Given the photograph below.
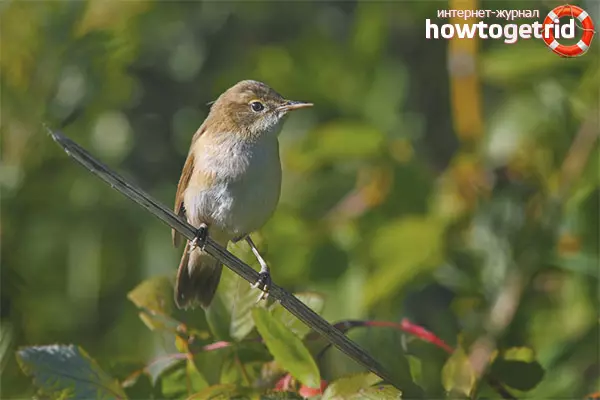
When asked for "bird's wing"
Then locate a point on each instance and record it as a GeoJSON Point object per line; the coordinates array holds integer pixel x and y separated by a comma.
{"type": "Point", "coordinates": [184, 180]}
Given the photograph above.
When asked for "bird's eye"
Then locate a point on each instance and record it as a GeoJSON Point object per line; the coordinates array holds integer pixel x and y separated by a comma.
{"type": "Point", "coordinates": [257, 106]}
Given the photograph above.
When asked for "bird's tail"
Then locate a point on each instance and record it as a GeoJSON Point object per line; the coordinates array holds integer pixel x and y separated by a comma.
{"type": "Point", "coordinates": [197, 279]}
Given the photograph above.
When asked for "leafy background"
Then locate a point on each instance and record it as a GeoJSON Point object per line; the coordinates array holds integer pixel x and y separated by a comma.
{"type": "Point", "coordinates": [448, 184]}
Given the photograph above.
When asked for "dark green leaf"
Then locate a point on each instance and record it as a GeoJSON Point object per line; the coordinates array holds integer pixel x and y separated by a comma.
{"type": "Point", "coordinates": [287, 349]}
{"type": "Point", "coordinates": [173, 381]}
{"type": "Point", "coordinates": [134, 379]}
{"type": "Point", "coordinates": [385, 345]}
{"type": "Point", "coordinates": [139, 387]}
{"type": "Point", "coordinates": [62, 371]}
{"type": "Point", "coordinates": [518, 369]}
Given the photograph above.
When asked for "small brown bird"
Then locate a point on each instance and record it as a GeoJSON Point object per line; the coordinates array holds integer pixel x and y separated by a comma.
{"type": "Point", "coordinates": [230, 183]}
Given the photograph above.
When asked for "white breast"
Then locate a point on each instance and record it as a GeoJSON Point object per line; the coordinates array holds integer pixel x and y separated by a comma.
{"type": "Point", "coordinates": [246, 188]}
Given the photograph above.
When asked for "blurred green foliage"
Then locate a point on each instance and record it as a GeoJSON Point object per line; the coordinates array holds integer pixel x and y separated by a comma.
{"type": "Point", "coordinates": [386, 211]}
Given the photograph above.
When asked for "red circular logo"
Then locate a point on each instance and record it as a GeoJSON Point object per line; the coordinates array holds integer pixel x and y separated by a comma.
{"type": "Point", "coordinates": [587, 26]}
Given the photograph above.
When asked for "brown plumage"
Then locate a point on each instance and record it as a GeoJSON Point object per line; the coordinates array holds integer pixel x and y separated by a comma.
{"type": "Point", "coordinates": [230, 180]}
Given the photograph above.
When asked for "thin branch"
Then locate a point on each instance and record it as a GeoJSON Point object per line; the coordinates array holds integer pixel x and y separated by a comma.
{"type": "Point", "coordinates": [287, 300]}
{"type": "Point", "coordinates": [419, 332]}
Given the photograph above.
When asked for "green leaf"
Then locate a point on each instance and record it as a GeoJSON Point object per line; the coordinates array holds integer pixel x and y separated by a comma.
{"type": "Point", "coordinates": [281, 396]}
{"type": "Point", "coordinates": [520, 375]}
{"type": "Point", "coordinates": [210, 364]}
{"type": "Point", "coordinates": [218, 317]}
{"type": "Point", "coordinates": [230, 372]}
{"type": "Point", "coordinates": [518, 368]}
{"type": "Point", "coordinates": [402, 248]}
{"type": "Point", "coordinates": [519, 354]}
{"type": "Point", "coordinates": [314, 301]}
{"type": "Point", "coordinates": [173, 381]}
{"type": "Point", "coordinates": [140, 387]}
{"type": "Point", "coordinates": [155, 297]}
{"type": "Point", "coordinates": [154, 294]}
{"type": "Point", "coordinates": [196, 379]}
{"type": "Point", "coordinates": [386, 346]}
{"type": "Point", "coordinates": [229, 314]}
{"type": "Point", "coordinates": [136, 382]}
{"type": "Point", "coordinates": [67, 371]}
{"type": "Point", "coordinates": [458, 375]}
{"type": "Point", "coordinates": [380, 392]}
{"type": "Point", "coordinates": [287, 349]}
{"type": "Point", "coordinates": [350, 387]}
{"type": "Point", "coordinates": [181, 378]}
{"type": "Point", "coordinates": [223, 391]}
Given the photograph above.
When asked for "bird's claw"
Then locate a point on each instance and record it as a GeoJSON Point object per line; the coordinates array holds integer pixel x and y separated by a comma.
{"type": "Point", "coordinates": [200, 239]}
{"type": "Point", "coordinates": [264, 284]}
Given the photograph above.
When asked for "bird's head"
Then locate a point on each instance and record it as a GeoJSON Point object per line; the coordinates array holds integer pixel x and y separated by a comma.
{"type": "Point", "coordinates": [252, 109]}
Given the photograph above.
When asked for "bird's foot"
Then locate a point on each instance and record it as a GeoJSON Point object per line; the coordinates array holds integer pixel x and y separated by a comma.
{"type": "Point", "coordinates": [264, 284]}
{"type": "Point", "coordinates": [200, 239]}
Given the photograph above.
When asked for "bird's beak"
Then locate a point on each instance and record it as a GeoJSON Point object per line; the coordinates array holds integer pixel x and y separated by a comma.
{"type": "Point", "coordinates": [290, 105]}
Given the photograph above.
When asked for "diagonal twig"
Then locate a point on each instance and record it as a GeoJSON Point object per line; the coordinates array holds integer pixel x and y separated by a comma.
{"type": "Point", "coordinates": [287, 300]}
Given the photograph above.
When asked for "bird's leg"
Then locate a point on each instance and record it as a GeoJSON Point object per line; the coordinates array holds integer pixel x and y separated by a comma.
{"type": "Point", "coordinates": [264, 276]}
{"type": "Point", "coordinates": [200, 239]}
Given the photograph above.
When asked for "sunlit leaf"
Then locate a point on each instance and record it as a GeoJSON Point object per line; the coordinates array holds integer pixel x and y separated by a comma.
{"type": "Point", "coordinates": [314, 301]}
{"type": "Point", "coordinates": [525, 354]}
{"type": "Point", "coordinates": [380, 392]}
{"type": "Point", "coordinates": [349, 387]}
{"type": "Point", "coordinates": [458, 375]}
{"type": "Point", "coordinates": [154, 294]}
{"type": "Point", "coordinates": [287, 349]}
{"type": "Point", "coordinates": [67, 371]}
{"type": "Point", "coordinates": [154, 297]}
